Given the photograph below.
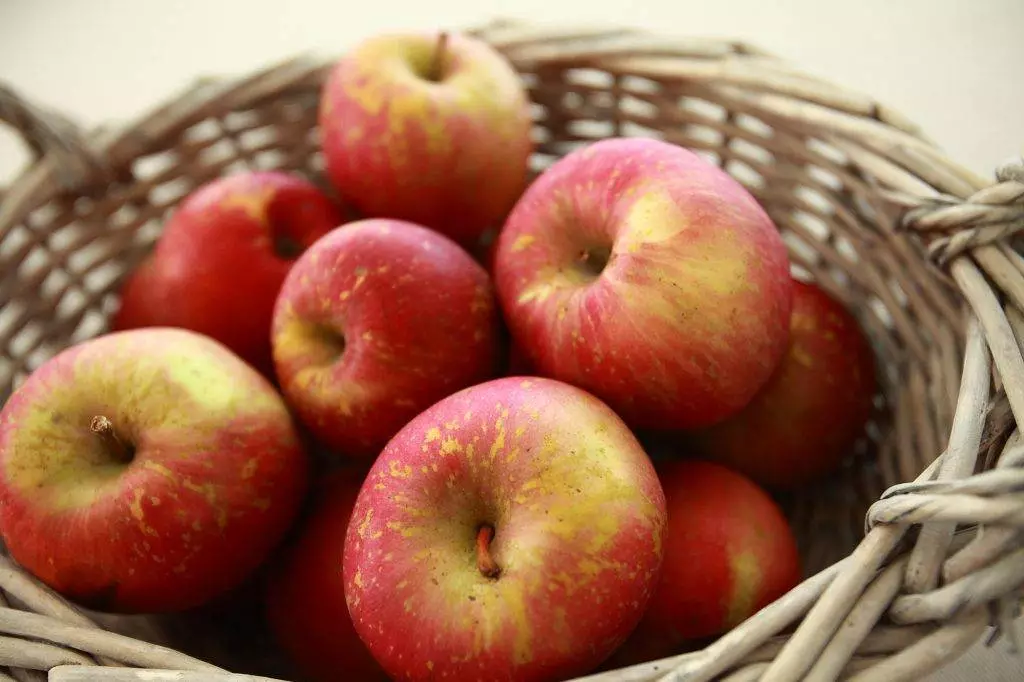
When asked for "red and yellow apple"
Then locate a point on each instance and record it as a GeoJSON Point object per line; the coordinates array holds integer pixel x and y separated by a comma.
{"type": "Point", "coordinates": [806, 420]}
{"type": "Point", "coordinates": [431, 129]}
{"type": "Point", "coordinates": [305, 603]}
{"type": "Point", "coordinates": [377, 321]}
{"type": "Point", "coordinates": [636, 270]}
{"type": "Point", "coordinates": [147, 471]}
{"type": "Point", "coordinates": [729, 552]}
{"type": "Point", "coordinates": [511, 531]}
{"type": "Point", "coordinates": [222, 257]}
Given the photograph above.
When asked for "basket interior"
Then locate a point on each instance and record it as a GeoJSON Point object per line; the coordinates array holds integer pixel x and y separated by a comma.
{"type": "Point", "coordinates": [63, 263]}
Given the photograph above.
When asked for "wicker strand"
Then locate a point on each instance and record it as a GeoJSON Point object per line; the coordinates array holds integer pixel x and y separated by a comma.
{"type": "Point", "coordinates": [68, 673]}
{"type": "Point", "coordinates": [929, 654]}
{"type": "Point", "coordinates": [991, 215]}
{"type": "Point", "coordinates": [976, 589]}
{"type": "Point", "coordinates": [857, 626]}
{"type": "Point", "coordinates": [45, 133]}
{"type": "Point", "coordinates": [37, 655]}
{"type": "Point", "coordinates": [117, 647]}
{"type": "Point", "coordinates": [1005, 353]}
{"type": "Point", "coordinates": [16, 582]}
{"type": "Point", "coordinates": [732, 647]}
{"type": "Point", "coordinates": [961, 456]}
{"type": "Point", "coordinates": [989, 543]}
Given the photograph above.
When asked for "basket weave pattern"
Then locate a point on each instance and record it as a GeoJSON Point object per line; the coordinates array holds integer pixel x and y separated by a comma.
{"type": "Point", "coordinates": [912, 551]}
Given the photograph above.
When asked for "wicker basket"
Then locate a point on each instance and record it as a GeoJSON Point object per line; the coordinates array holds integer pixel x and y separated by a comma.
{"type": "Point", "coordinates": [917, 246]}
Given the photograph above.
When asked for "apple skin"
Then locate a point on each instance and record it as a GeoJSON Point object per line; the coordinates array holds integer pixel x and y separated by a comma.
{"type": "Point", "coordinates": [691, 313]}
{"type": "Point", "coordinates": [305, 603]}
{"type": "Point", "coordinates": [806, 420]}
{"type": "Point", "coordinates": [729, 552]}
{"type": "Point", "coordinates": [217, 269]}
{"type": "Point", "coordinates": [377, 321]}
{"type": "Point", "coordinates": [218, 471]}
{"type": "Point", "coordinates": [450, 155]}
{"type": "Point", "coordinates": [578, 518]}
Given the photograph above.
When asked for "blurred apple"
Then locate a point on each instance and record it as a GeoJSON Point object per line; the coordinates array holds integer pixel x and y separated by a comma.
{"type": "Point", "coordinates": [806, 420]}
{"type": "Point", "coordinates": [306, 606]}
{"type": "Point", "coordinates": [729, 552]}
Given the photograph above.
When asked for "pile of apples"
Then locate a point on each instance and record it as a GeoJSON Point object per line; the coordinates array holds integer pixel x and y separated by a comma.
{"type": "Point", "coordinates": [488, 506]}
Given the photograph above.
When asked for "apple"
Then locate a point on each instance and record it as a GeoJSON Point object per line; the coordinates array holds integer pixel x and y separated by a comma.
{"type": "Point", "coordinates": [374, 323]}
{"type": "Point", "coordinates": [221, 259]}
{"type": "Point", "coordinates": [435, 130]}
{"type": "Point", "coordinates": [729, 552]}
{"type": "Point", "coordinates": [305, 601]}
{"type": "Point", "coordinates": [142, 298]}
{"type": "Point", "coordinates": [149, 470]}
{"type": "Point", "coordinates": [808, 417]}
{"type": "Point", "coordinates": [649, 277]}
{"type": "Point", "coordinates": [511, 531]}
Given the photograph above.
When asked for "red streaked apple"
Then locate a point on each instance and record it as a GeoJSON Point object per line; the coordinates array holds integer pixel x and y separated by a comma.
{"type": "Point", "coordinates": [636, 270]}
{"type": "Point", "coordinates": [220, 261]}
{"type": "Point", "coordinates": [512, 531]}
{"type": "Point", "coordinates": [729, 552]}
{"type": "Point", "coordinates": [431, 129]}
{"type": "Point", "coordinates": [305, 601]}
{"type": "Point", "coordinates": [806, 420]}
{"type": "Point", "coordinates": [377, 321]}
{"type": "Point", "coordinates": [149, 470]}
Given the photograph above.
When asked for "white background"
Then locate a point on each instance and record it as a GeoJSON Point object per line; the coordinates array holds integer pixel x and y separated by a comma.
{"type": "Point", "coordinates": [956, 67]}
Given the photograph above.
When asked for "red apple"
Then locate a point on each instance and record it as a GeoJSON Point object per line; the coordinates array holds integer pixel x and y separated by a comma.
{"type": "Point", "coordinates": [147, 471]}
{"type": "Point", "coordinates": [806, 420]}
{"type": "Point", "coordinates": [306, 606]}
{"type": "Point", "coordinates": [377, 321]}
{"type": "Point", "coordinates": [433, 130]}
{"type": "Point", "coordinates": [729, 552]}
{"type": "Point", "coordinates": [222, 257]}
{"type": "Point", "coordinates": [636, 270]}
{"type": "Point", "coordinates": [142, 298]}
{"type": "Point", "coordinates": [512, 531]}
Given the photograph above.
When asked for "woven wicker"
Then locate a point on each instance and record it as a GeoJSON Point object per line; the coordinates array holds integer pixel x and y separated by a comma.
{"type": "Point", "coordinates": [918, 247]}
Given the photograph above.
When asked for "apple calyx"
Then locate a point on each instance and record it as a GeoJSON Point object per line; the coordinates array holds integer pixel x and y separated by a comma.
{"type": "Point", "coordinates": [485, 563]}
{"type": "Point", "coordinates": [437, 66]}
{"type": "Point", "coordinates": [594, 260]}
{"type": "Point", "coordinates": [104, 429]}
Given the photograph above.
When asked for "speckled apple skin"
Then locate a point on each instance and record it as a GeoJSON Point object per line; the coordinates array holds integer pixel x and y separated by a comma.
{"type": "Point", "coordinates": [579, 519]}
{"type": "Point", "coordinates": [450, 155]}
{"type": "Point", "coordinates": [217, 477]}
{"type": "Point", "coordinates": [419, 322]}
{"type": "Point", "coordinates": [691, 314]}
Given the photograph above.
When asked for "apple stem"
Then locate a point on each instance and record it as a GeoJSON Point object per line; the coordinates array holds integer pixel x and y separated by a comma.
{"type": "Point", "coordinates": [104, 428]}
{"type": "Point", "coordinates": [437, 68]}
{"type": "Point", "coordinates": [484, 561]}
